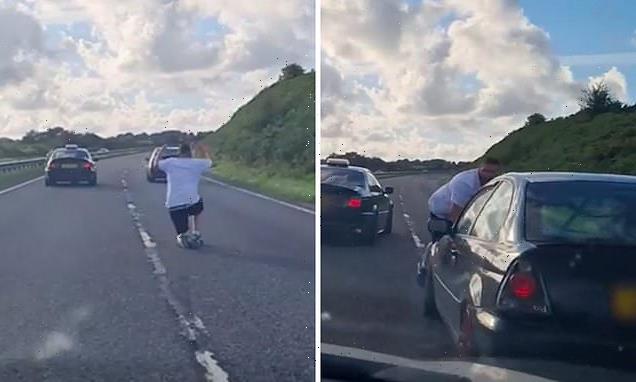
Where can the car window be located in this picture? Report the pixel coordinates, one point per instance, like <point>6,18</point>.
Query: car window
<point>342,177</point>
<point>494,213</point>
<point>572,212</point>
<point>167,153</point>
<point>374,185</point>
<point>76,154</point>
<point>467,218</point>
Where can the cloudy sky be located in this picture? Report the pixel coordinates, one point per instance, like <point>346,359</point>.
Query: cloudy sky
<point>113,66</point>
<point>448,78</point>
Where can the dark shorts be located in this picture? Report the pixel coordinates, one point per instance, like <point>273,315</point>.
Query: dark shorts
<point>434,236</point>
<point>180,214</point>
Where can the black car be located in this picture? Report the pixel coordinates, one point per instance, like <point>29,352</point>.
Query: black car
<point>353,201</point>
<point>538,262</point>
<point>70,164</point>
<point>154,174</point>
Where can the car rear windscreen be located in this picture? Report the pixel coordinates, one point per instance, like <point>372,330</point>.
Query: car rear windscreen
<point>341,177</point>
<point>581,212</point>
<point>76,154</point>
<point>170,153</point>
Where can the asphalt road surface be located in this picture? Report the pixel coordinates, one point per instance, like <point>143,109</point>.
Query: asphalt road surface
<point>370,299</point>
<point>94,288</point>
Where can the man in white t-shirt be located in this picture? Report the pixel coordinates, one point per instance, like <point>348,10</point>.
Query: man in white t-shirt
<point>449,200</point>
<point>183,174</point>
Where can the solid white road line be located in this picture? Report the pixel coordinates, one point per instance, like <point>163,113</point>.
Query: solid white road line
<point>13,188</point>
<point>293,206</point>
<point>473,371</point>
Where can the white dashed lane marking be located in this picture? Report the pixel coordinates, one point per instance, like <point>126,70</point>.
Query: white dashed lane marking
<point>409,223</point>
<point>192,329</point>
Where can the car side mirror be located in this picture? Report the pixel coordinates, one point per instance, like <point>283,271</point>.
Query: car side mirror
<point>388,190</point>
<point>440,227</point>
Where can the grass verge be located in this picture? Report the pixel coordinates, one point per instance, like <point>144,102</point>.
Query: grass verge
<point>285,187</point>
<point>11,179</point>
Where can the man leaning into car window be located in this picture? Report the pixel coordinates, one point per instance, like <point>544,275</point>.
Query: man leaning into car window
<point>449,200</point>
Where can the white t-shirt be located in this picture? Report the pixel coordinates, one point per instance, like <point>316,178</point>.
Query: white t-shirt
<point>458,191</point>
<point>183,175</point>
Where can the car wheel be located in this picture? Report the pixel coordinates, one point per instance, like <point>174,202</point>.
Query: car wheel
<point>466,346</point>
<point>430,308</point>
<point>389,224</point>
<point>47,182</point>
<point>150,179</point>
<point>93,183</point>
<point>370,233</point>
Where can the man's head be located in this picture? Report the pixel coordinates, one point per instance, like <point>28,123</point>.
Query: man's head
<point>489,169</point>
<point>185,151</point>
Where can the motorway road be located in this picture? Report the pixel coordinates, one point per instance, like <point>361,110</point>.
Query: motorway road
<point>89,294</point>
<point>370,299</point>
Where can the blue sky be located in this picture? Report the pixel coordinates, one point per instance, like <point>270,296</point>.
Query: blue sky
<point>590,27</point>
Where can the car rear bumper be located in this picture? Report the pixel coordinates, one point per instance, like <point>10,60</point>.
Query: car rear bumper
<point>71,176</point>
<point>157,175</point>
<point>497,335</point>
<point>355,225</point>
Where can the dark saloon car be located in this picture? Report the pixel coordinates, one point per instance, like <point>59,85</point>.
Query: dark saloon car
<point>353,201</point>
<point>153,173</point>
<point>71,164</point>
<point>541,263</point>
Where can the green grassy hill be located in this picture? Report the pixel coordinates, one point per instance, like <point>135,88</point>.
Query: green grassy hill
<point>269,143</point>
<point>603,143</point>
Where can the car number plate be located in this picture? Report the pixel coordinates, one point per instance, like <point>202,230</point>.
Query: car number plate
<point>623,303</point>
<point>69,165</point>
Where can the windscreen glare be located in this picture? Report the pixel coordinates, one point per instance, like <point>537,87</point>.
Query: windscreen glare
<point>581,212</point>
<point>70,154</point>
<point>342,177</point>
<point>167,153</point>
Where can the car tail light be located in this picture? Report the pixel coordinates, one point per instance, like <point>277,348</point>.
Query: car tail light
<point>523,285</point>
<point>522,291</point>
<point>88,166</point>
<point>354,203</point>
<point>52,166</point>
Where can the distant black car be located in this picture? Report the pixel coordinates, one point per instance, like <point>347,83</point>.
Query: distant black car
<point>70,164</point>
<point>540,263</point>
<point>153,174</point>
<point>353,201</point>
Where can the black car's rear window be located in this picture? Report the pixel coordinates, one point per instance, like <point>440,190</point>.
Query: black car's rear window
<point>76,154</point>
<point>167,153</point>
<point>581,212</point>
<point>342,177</point>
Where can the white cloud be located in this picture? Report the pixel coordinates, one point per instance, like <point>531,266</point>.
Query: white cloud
<point>135,65</point>
<point>616,83</point>
<point>450,77</point>
<point>20,41</point>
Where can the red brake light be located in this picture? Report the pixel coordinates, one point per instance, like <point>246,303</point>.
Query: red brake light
<point>523,285</point>
<point>354,203</point>
<point>51,166</point>
<point>88,166</point>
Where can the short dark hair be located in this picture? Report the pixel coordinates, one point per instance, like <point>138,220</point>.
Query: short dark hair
<point>491,161</point>
<point>185,150</point>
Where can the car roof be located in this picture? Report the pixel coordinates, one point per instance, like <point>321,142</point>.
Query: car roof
<point>69,150</point>
<point>547,176</point>
<point>354,168</point>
